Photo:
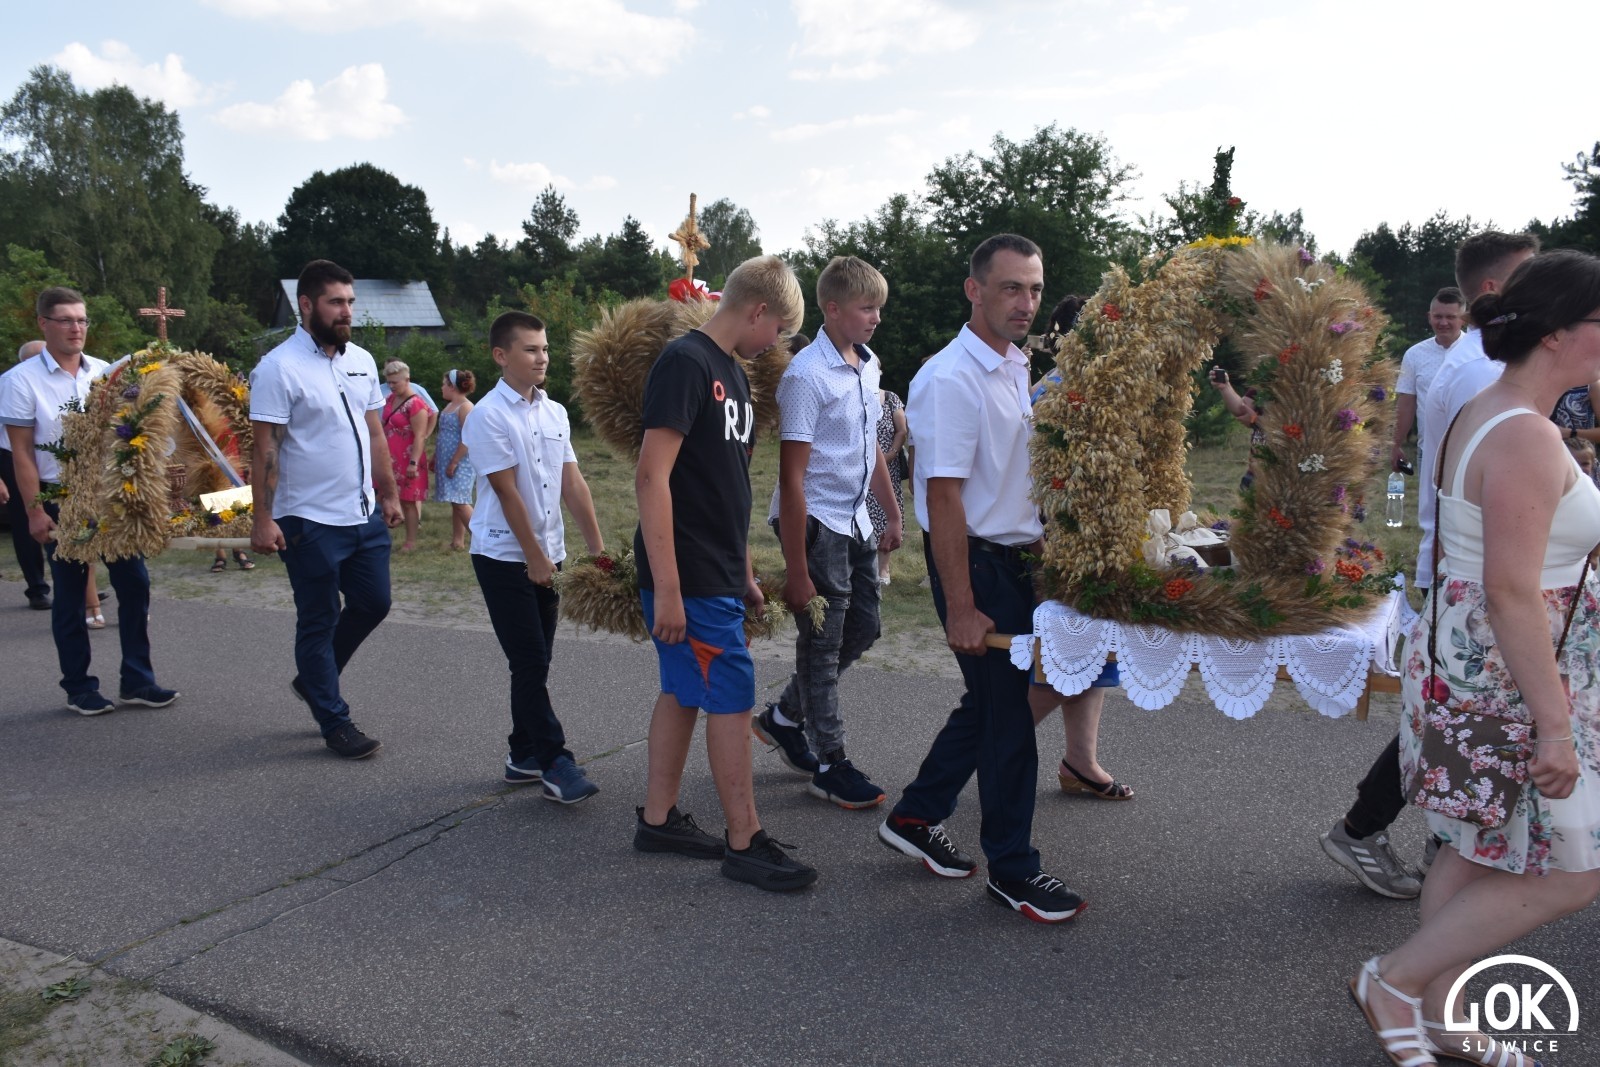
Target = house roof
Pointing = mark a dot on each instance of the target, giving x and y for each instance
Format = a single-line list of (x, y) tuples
[(387, 303)]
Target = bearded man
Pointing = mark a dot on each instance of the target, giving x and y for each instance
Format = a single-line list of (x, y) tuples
[(318, 455)]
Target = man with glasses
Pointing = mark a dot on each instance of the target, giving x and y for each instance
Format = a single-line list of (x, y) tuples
[(31, 407), (318, 453)]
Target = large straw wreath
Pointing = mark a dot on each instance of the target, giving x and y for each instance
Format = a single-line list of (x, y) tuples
[(1111, 443), (124, 450), (610, 365)]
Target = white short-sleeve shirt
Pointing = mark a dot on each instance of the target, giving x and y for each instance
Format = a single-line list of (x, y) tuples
[(1465, 372), (969, 411), (834, 407), (1420, 365), (534, 438), (34, 393), (325, 460)]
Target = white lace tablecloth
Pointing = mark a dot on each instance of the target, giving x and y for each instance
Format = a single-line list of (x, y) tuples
[(1329, 669)]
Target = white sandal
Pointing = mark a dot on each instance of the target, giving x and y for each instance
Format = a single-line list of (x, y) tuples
[(1497, 1054), (1406, 1046), (94, 620)]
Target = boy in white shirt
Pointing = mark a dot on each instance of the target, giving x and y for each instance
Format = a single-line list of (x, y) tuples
[(520, 442)]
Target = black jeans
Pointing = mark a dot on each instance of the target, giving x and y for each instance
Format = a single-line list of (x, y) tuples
[(30, 554), (991, 732), (524, 619), (1379, 798)]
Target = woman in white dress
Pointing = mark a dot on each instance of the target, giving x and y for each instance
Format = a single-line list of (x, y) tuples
[(1517, 523)]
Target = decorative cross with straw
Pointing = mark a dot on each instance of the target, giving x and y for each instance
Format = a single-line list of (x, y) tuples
[(689, 236), (161, 313)]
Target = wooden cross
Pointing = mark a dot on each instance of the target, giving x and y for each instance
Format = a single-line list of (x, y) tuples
[(161, 313), (689, 236)]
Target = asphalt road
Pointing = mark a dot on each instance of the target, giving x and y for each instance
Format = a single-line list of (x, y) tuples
[(411, 909)]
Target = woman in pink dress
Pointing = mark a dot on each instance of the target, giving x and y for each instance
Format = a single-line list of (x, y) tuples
[(405, 426)]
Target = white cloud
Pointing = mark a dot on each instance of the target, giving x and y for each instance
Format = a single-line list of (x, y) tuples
[(597, 37), (116, 64), (471, 164), (840, 72), (353, 105), (602, 181), (758, 112), (533, 175), (1157, 18), (807, 130), (854, 34)]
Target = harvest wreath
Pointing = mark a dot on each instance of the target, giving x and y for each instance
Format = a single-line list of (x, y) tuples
[(610, 364), (1110, 443), (132, 464)]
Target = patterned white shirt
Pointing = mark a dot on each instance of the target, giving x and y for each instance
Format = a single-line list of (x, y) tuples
[(825, 401), (1420, 365)]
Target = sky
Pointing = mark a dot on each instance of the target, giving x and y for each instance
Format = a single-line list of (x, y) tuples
[(1354, 111)]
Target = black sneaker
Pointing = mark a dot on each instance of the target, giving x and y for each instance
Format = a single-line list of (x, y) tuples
[(845, 786), (929, 843), (40, 602), (1041, 898), (151, 696), (790, 741), (90, 703), (678, 834), (348, 741), (766, 865)]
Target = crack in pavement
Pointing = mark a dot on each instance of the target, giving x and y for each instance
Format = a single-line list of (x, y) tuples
[(433, 828)]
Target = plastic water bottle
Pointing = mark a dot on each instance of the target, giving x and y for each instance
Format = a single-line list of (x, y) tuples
[(1394, 511)]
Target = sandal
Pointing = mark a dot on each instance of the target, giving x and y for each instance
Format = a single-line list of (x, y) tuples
[(1406, 1046), (94, 620), (218, 566), (243, 560), (1495, 1054), (1075, 783)]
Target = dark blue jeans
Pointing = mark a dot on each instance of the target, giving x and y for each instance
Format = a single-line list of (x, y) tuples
[(30, 555), (524, 619), (324, 562), (991, 732), (132, 582)]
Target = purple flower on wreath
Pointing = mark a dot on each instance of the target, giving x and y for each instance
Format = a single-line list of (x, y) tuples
[(1338, 494), (1379, 393), (1222, 526), (213, 520), (1347, 418), (131, 393), (125, 432), (1183, 563), (1306, 256), (1316, 566), (1342, 327), (1358, 512)]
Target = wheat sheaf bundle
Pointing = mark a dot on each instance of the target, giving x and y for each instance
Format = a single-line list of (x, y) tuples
[(612, 360)]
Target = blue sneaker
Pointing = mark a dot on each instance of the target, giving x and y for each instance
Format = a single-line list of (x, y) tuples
[(845, 786), (565, 782), (151, 696), (90, 703), (790, 741), (526, 772)]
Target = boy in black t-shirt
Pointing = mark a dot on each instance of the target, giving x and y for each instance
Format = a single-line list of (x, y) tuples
[(693, 488)]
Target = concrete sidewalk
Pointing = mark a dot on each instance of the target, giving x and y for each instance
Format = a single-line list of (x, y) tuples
[(411, 909)]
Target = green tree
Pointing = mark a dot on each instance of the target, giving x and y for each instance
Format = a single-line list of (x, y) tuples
[(625, 263), (1582, 229), (364, 219), (1414, 262), (1209, 210), (23, 276), (547, 236), (244, 272), (1060, 187), (733, 237), (96, 182)]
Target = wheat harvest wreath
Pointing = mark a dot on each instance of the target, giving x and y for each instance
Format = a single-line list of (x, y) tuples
[(1110, 443)]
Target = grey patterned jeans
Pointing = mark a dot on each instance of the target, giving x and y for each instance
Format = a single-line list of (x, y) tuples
[(845, 571)]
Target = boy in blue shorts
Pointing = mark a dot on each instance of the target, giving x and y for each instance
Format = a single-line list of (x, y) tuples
[(695, 578), (828, 461)]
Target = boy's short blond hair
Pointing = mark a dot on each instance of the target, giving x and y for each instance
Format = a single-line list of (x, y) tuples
[(767, 280), (1580, 447), (848, 280)]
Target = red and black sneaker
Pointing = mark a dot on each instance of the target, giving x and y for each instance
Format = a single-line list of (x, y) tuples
[(1041, 898), (929, 843)]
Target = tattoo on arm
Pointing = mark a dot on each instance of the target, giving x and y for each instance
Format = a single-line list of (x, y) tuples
[(265, 477)]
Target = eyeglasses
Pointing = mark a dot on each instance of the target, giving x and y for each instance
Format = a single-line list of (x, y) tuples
[(82, 324)]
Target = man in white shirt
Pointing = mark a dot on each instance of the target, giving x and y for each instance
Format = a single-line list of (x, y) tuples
[(318, 453), (1359, 842), (971, 416), (1447, 314), (521, 447), (30, 557), (31, 405)]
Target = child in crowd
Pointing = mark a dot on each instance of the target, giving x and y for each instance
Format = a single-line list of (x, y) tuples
[(828, 461), (1583, 452), (521, 447), (695, 577)]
